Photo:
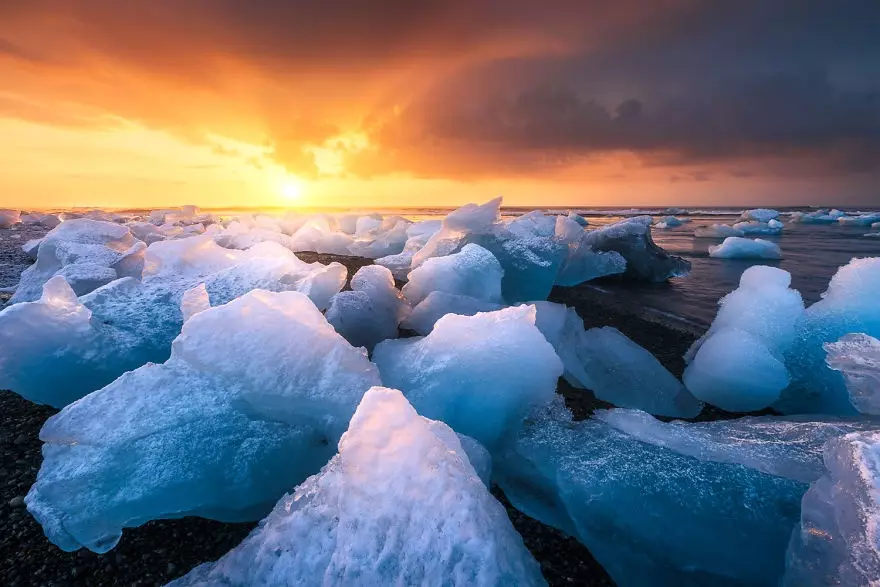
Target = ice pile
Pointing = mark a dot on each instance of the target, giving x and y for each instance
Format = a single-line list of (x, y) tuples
[(42, 220), (739, 364), (251, 401), (717, 231), (759, 215), (861, 220), (837, 542), (670, 222), (631, 238), (400, 504), (371, 311), (417, 235), (816, 217), (649, 514), (9, 218), (480, 374), (857, 356), (735, 247), (87, 253), (60, 348), (612, 366)]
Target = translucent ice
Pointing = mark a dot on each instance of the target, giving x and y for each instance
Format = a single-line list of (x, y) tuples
[(371, 311), (440, 303), (389, 238), (251, 401), (43, 220), (645, 261), (472, 272), (735, 247), (456, 226), (31, 248), (97, 243), (837, 542), (480, 374), (317, 235), (650, 515), (760, 215), (755, 227), (717, 231), (669, 222), (738, 365), (857, 356), (400, 504), (817, 217)]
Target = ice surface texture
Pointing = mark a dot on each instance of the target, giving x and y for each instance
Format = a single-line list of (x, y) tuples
[(104, 250), (739, 365), (857, 356), (252, 400), (50, 357), (735, 247), (371, 311), (650, 515), (400, 504), (480, 374)]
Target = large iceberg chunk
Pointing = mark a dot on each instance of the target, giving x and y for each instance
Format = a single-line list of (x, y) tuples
[(735, 247), (650, 515), (760, 215), (380, 514), (251, 401), (612, 366), (455, 226), (480, 374), (371, 311), (100, 245), (319, 236), (738, 365), (389, 238), (857, 356), (837, 541), (472, 272), (440, 303), (645, 261)]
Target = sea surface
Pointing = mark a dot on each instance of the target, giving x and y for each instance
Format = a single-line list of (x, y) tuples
[(811, 253)]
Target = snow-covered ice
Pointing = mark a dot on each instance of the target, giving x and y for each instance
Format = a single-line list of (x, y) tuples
[(253, 398), (400, 504), (480, 374), (735, 247)]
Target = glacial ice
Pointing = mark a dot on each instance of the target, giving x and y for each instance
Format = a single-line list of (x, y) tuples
[(82, 241), (717, 231), (860, 220), (194, 300), (480, 374), (49, 221), (440, 303), (738, 365), (735, 247), (849, 305), (836, 542), (31, 248), (131, 322), (857, 356), (389, 238), (472, 272), (9, 218), (253, 398), (760, 215), (371, 311), (612, 366), (581, 262), (400, 504), (650, 515), (817, 217), (670, 222), (317, 235), (631, 238)]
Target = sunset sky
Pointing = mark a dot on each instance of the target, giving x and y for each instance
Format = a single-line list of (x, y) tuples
[(144, 103)]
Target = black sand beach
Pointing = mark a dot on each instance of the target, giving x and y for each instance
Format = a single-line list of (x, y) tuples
[(163, 550)]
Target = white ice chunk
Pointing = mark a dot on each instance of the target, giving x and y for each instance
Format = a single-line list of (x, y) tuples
[(735, 247), (717, 231), (480, 374), (400, 504), (760, 215), (857, 356), (31, 248), (473, 272), (440, 303), (194, 300)]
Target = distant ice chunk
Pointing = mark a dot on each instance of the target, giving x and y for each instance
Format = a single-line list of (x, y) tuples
[(239, 236), (472, 272), (836, 542), (817, 217), (317, 235), (389, 238), (860, 220), (645, 261), (735, 247), (440, 303), (753, 227), (670, 222), (650, 515), (480, 374), (251, 401), (371, 311), (379, 514), (738, 365), (49, 221), (857, 356), (717, 231), (9, 218), (760, 215), (83, 241)]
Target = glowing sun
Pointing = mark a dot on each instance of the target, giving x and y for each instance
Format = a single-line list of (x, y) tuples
[(291, 190)]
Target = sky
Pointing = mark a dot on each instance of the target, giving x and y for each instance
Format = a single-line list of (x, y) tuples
[(222, 103)]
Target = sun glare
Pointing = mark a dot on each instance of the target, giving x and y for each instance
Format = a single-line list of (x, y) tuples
[(291, 190)]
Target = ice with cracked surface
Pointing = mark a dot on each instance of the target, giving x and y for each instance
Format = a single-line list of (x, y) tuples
[(253, 398), (739, 364), (400, 504), (836, 542), (480, 374), (857, 356), (100, 247), (650, 515), (371, 311)]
